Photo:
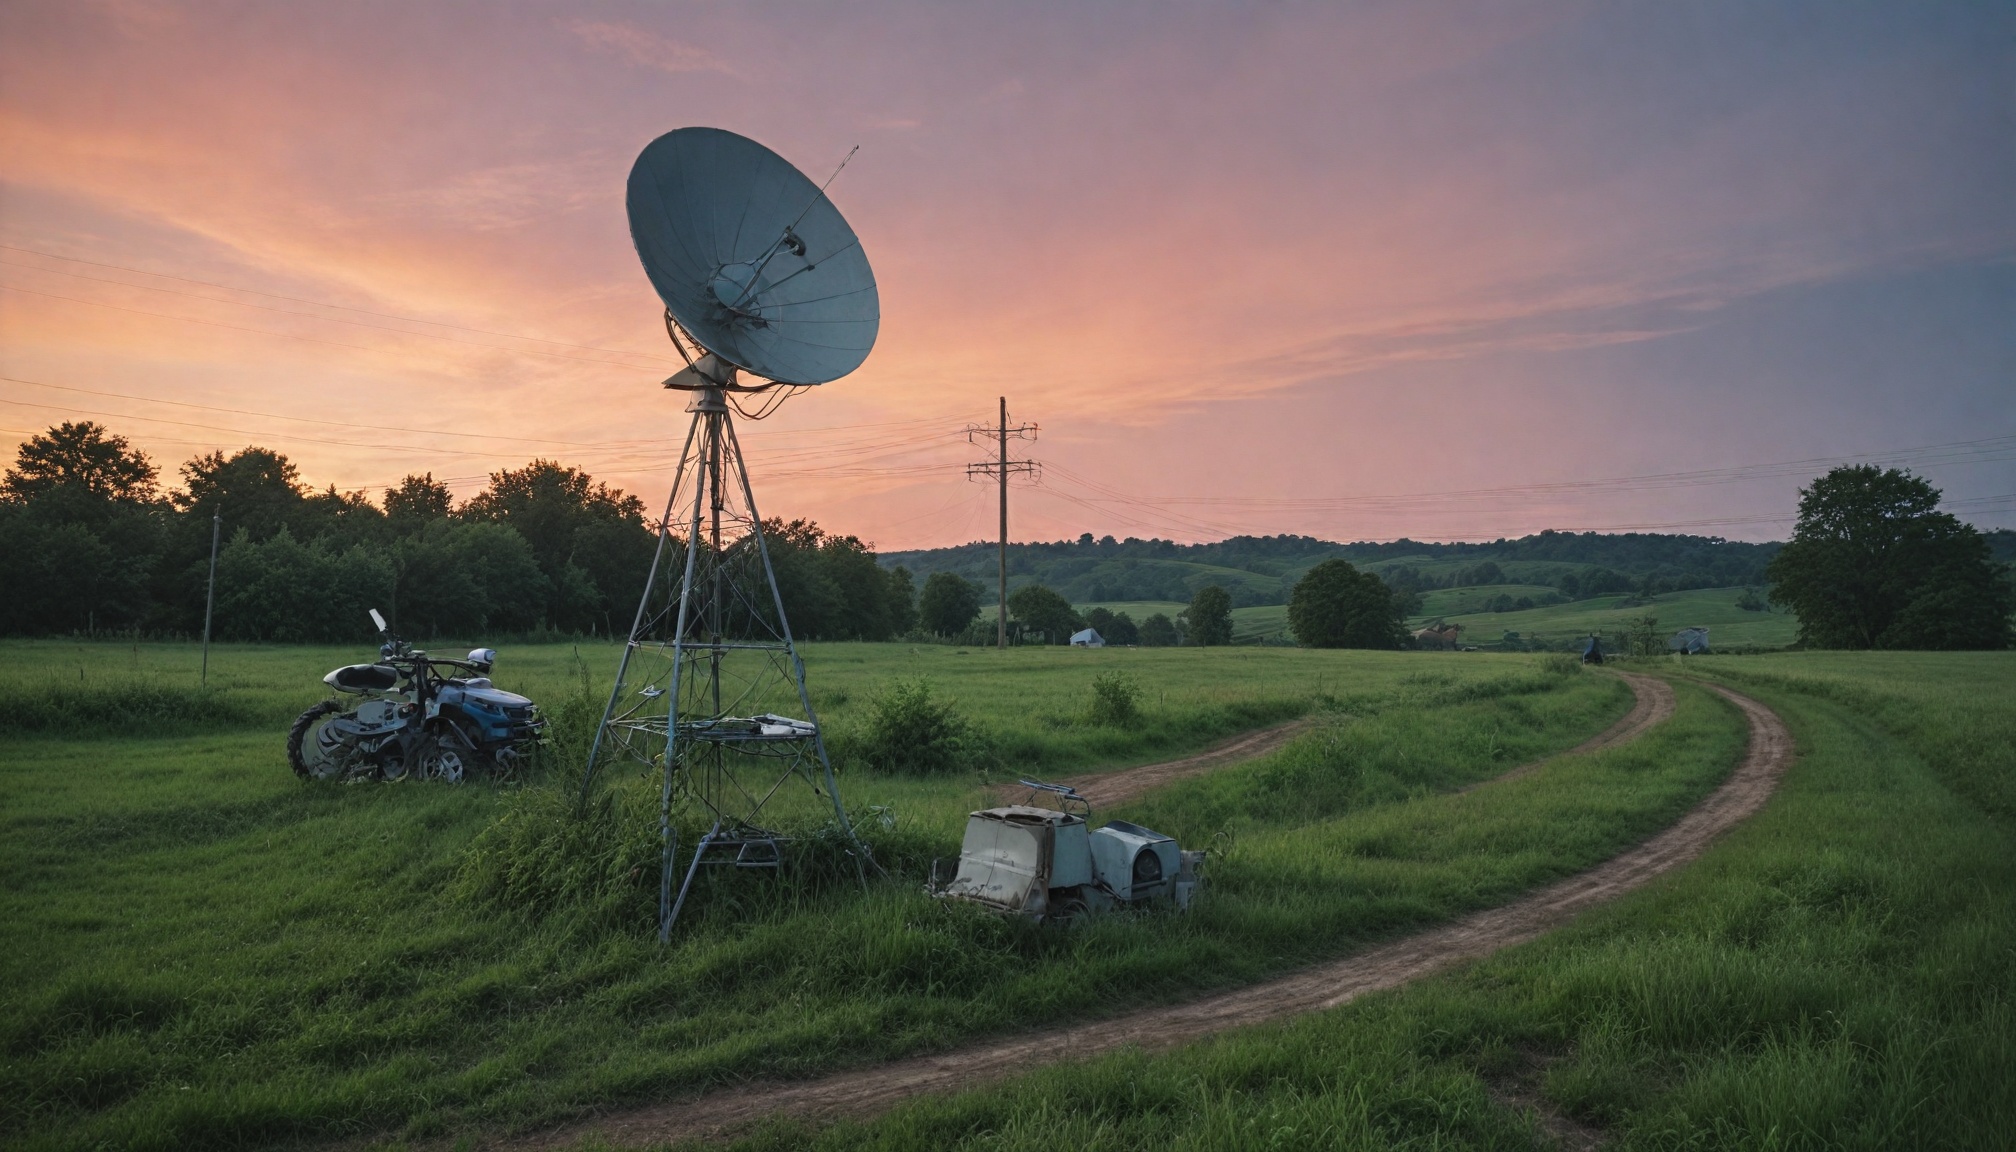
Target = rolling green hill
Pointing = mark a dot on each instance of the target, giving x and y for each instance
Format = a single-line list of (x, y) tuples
[(1554, 626), (1713, 608), (1261, 570)]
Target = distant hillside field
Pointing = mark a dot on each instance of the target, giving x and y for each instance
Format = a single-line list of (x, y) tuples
[(1713, 608), (1262, 570), (1552, 627)]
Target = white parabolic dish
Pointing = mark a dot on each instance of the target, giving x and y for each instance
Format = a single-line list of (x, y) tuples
[(710, 212)]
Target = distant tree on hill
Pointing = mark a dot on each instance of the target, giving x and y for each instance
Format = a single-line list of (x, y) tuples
[(1208, 619), (1336, 606), (1043, 610), (1486, 573), (1158, 631), (948, 604), (1603, 581), (1874, 564)]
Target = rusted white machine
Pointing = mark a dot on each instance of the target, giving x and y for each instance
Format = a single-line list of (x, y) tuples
[(1048, 864)]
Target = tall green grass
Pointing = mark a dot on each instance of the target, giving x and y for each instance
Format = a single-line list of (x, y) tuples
[(204, 951), (1838, 973)]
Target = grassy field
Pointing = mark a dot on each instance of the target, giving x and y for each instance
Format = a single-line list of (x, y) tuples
[(1730, 626), (1715, 608), (1838, 973), (204, 951)]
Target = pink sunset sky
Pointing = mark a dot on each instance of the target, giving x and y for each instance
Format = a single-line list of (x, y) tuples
[(1355, 271)]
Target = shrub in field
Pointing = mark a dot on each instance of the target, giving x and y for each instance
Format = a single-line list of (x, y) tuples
[(1116, 699), (910, 729)]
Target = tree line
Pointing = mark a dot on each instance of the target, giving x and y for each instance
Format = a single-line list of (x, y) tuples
[(90, 542)]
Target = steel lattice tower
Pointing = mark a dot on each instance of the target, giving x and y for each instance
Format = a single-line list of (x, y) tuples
[(710, 690)]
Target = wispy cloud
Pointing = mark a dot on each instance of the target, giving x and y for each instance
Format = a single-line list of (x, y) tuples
[(648, 49)]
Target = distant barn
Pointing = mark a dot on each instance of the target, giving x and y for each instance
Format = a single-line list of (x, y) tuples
[(1438, 636), (1089, 638)]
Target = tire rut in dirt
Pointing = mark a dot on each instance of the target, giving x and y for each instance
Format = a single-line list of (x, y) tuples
[(868, 1091)]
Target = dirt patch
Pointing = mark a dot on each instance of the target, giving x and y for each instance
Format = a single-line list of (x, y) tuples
[(868, 1091), (1519, 1089), (1105, 789)]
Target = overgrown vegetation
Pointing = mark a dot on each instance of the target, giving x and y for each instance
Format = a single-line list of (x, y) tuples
[(1837, 973), (215, 953)]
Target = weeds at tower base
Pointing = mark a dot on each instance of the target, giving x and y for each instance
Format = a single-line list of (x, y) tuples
[(596, 866)]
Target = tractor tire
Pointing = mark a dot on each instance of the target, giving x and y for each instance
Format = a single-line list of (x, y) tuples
[(298, 735)]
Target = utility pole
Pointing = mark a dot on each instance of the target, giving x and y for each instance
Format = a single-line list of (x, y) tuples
[(998, 470), (210, 596)]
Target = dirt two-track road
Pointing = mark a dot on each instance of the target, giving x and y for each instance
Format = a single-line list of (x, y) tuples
[(867, 1091)]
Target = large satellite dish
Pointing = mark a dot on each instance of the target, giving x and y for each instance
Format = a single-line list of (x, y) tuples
[(752, 260)]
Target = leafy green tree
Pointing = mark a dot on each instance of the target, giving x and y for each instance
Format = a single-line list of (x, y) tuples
[(64, 578), (82, 458), (467, 580), (1407, 598), (1208, 619), (948, 604), (418, 500), (865, 608), (1125, 631), (1874, 564), (1158, 631), (902, 594), (80, 533), (1113, 627), (348, 517), (1335, 605), (282, 590), (258, 492), (1043, 610), (551, 505)]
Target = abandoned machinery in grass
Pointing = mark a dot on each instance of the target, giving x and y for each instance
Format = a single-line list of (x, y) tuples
[(766, 292), (443, 722), (1048, 864)]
